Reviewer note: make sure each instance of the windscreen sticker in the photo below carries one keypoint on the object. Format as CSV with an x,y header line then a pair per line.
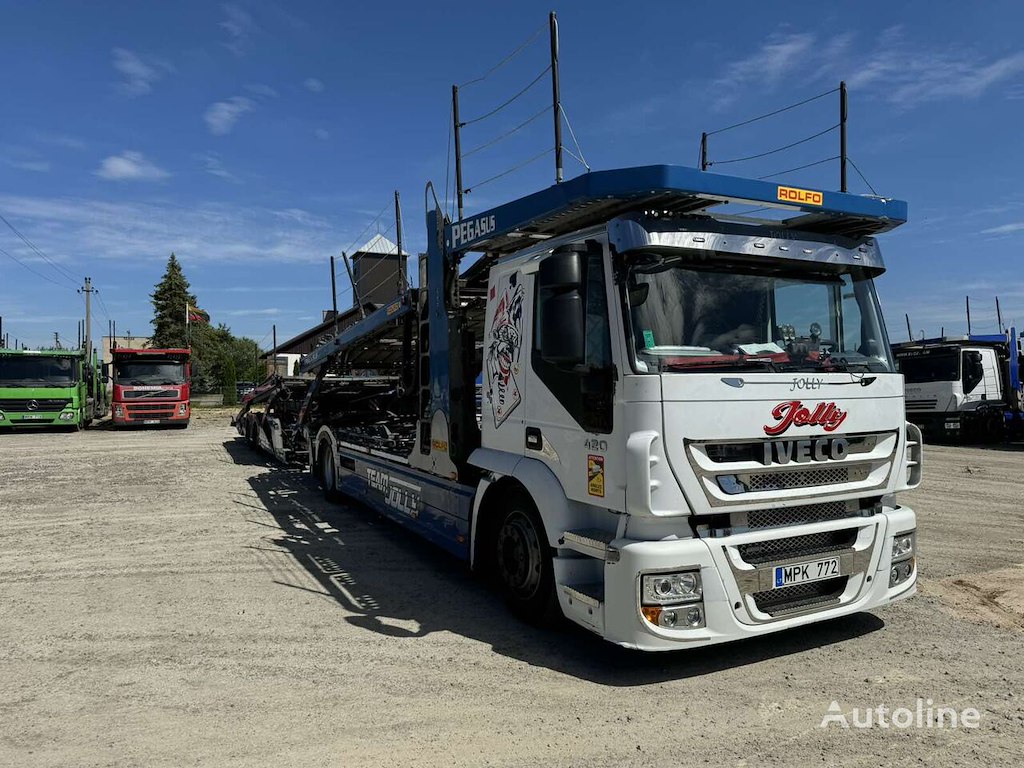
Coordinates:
x,y
595,475
505,347
648,338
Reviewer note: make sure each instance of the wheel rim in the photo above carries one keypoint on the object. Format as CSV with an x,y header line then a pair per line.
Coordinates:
x,y
519,555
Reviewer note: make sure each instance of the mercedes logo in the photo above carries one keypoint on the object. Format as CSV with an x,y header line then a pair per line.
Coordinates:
x,y
33,405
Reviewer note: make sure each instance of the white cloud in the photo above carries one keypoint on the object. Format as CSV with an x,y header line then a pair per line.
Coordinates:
x,y
261,89
130,166
313,85
909,75
215,167
221,116
1005,229
37,166
240,28
139,73
778,57
322,133
208,232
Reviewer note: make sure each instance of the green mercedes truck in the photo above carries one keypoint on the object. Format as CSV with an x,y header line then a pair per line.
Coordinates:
x,y
50,388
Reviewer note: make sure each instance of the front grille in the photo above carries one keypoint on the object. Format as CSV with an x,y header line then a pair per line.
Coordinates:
x,y
21,406
800,596
152,393
759,552
808,513
802,478
157,409
722,453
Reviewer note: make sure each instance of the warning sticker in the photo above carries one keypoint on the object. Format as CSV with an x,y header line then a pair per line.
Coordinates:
x,y
648,338
595,475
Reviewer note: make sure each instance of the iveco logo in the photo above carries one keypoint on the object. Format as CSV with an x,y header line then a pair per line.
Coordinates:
x,y
33,405
821,449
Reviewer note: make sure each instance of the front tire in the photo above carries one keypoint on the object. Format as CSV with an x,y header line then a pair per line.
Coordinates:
x,y
523,569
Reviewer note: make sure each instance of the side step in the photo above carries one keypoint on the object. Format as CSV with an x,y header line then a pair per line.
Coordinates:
x,y
592,542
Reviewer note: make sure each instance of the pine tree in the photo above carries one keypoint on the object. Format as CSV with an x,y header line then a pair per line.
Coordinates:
x,y
169,298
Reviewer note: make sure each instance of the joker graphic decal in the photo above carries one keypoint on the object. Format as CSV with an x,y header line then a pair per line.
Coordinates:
x,y
505,347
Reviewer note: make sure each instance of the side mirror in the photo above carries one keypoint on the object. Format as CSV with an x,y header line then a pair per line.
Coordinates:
x,y
562,320
105,372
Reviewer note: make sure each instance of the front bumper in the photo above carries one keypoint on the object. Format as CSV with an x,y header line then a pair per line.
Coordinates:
x,y
147,414
35,419
730,584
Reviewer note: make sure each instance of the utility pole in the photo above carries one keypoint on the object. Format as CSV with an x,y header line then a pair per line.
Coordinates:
x,y
458,147
842,136
398,236
88,291
555,96
56,340
334,297
273,352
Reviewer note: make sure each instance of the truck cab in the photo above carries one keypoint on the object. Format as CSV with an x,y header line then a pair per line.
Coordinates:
x,y
151,387
49,388
962,387
690,428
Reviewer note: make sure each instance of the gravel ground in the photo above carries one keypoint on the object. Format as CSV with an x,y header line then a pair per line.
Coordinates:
x,y
172,599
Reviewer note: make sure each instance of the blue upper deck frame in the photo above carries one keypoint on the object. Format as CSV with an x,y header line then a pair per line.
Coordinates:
x,y
600,195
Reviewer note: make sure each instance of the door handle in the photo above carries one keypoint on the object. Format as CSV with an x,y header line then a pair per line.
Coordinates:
x,y
534,440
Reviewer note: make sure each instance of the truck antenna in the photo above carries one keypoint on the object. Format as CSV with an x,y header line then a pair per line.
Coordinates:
x,y
999,315
910,333
968,315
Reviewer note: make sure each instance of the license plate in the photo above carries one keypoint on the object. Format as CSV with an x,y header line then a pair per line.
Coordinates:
x,y
151,421
36,417
799,573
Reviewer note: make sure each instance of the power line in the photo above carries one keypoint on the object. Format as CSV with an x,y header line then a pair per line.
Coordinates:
x,y
60,269
850,161
536,157
507,59
774,151
506,134
772,114
799,167
573,134
30,269
509,101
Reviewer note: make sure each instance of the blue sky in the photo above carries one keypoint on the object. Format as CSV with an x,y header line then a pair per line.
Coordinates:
x,y
255,139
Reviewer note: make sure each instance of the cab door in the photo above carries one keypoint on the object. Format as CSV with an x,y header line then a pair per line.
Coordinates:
x,y
572,410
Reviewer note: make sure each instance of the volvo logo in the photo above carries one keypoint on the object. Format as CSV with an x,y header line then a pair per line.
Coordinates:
x,y
33,405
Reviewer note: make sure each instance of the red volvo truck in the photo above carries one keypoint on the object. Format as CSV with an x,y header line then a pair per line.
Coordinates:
x,y
151,386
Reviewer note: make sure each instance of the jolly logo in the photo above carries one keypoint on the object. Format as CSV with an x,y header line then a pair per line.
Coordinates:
x,y
794,413
505,346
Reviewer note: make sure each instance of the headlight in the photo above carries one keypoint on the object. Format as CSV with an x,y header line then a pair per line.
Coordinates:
x,y
2,416
662,588
903,546
67,416
181,409
118,411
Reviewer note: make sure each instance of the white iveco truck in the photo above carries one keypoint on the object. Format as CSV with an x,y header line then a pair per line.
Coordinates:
x,y
690,428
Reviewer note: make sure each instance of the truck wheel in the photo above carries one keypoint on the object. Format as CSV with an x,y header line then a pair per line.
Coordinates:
x,y
522,562
328,473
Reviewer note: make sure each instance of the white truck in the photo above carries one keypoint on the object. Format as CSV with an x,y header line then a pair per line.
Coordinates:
x,y
689,428
964,387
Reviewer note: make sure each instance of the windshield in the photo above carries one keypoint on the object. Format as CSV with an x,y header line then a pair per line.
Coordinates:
x,y
924,367
25,371
141,372
727,317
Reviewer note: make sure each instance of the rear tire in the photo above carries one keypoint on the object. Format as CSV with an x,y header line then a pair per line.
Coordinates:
x,y
328,472
522,567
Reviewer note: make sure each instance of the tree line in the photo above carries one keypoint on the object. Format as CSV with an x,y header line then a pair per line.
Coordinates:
x,y
219,358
